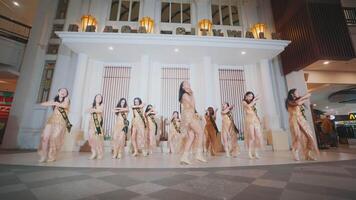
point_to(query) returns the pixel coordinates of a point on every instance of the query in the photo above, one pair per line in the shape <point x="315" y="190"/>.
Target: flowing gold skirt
<point x="52" y="137"/>
<point x="96" y="141"/>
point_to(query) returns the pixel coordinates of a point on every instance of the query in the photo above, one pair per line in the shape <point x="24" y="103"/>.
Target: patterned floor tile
<point x="9" y="180"/>
<point x="18" y="195"/>
<point x="231" y="178"/>
<point x="143" y="197"/>
<point x="326" y="181"/>
<point x="101" y="174"/>
<point x="255" y="192"/>
<point x="321" y="190"/>
<point x="250" y="173"/>
<point x="270" y="183"/>
<point x="73" y="190"/>
<point x="174" y="180"/>
<point x="117" y="194"/>
<point x="12" y="188"/>
<point x="172" y="194"/>
<point x="216" y="188"/>
<point x="46" y="175"/>
<point x="56" y="181"/>
<point x="145" y="188"/>
<point x="324" y="169"/>
<point x="120" y="180"/>
<point x="150" y="175"/>
<point x="197" y="173"/>
<point x="296" y="195"/>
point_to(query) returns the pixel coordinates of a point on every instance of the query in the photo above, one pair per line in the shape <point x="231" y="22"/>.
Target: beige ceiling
<point x="24" y="13"/>
<point x="335" y="66"/>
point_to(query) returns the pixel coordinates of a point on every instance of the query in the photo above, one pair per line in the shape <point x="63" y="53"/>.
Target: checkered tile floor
<point x="330" y="180"/>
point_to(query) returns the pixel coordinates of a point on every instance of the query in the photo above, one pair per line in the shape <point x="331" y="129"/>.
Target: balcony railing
<point x="14" y="30"/>
<point x="350" y="16"/>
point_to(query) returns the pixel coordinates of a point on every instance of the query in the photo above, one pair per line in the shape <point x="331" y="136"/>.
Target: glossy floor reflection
<point x="313" y="180"/>
<point x="164" y="160"/>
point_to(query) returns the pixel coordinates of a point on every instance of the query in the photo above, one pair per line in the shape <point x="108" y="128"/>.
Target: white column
<point x="272" y="125"/>
<point x="203" y="8"/>
<point x="297" y="80"/>
<point x="271" y="118"/>
<point x="144" y="77"/>
<point x="73" y="13"/>
<point x="76" y="105"/>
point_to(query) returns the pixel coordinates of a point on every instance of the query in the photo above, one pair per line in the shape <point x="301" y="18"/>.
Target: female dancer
<point x="211" y="131"/>
<point x="52" y="137"/>
<point x="96" y="134"/>
<point x="152" y="128"/>
<point x="174" y="137"/>
<point x="138" y="138"/>
<point x="190" y="123"/>
<point x="229" y="131"/>
<point x="301" y="133"/>
<point x="252" y="126"/>
<point x="121" y="128"/>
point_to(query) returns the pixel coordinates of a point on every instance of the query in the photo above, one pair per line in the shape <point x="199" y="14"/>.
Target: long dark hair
<point x="181" y="92"/>
<point x="227" y="104"/>
<point x="148" y="108"/>
<point x="56" y="98"/>
<point x="248" y="93"/>
<point x="290" y="97"/>
<point x="211" y="111"/>
<point x="94" y="101"/>
<point x="138" y="99"/>
<point x="119" y="104"/>
<point x="177" y="114"/>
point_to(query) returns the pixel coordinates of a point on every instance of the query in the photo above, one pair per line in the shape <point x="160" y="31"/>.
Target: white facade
<point x="82" y="57"/>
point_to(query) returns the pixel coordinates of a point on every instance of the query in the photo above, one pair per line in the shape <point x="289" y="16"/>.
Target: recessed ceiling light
<point x="243" y="52"/>
<point x="16" y="3"/>
<point x="176" y="50"/>
<point x="326" y="62"/>
<point x="327" y="107"/>
<point x="314" y="105"/>
<point x="111" y="48"/>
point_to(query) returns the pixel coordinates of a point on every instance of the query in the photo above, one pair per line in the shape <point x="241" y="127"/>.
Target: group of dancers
<point x="187" y="134"/>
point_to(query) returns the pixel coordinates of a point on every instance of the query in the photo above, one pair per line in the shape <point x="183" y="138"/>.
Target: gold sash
<point x="141" y="115"/>
<point x="97" y="124"/>
<point x="65" y="117"/>
<point x="126" y="123"/>
<point x="154" y="121"/>
<point x="176" y="126"/>
<point x="232" y="121"/>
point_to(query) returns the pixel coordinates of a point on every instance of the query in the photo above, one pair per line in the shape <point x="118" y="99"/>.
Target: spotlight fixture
<point x="111" y="48"/>
<point x="16" y="3"/>
<point x="326" y="62"/>
<point x="243" y="52"/>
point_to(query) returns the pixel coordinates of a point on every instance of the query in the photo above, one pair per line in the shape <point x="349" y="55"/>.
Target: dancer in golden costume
<point x="229" y="131"/>
<point x="190" y="123"/>
<point x="211" y="131"/>
<point x="252" y="126"/>
<point x="139" y="124"/>
<point x="96" y="133"/>
<point x="52" y="137"/>
<point x="303" y="141"/>
<point x="175" y="134"/>
<point x="152" y="129"/>
<point x="121" y="128"/>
